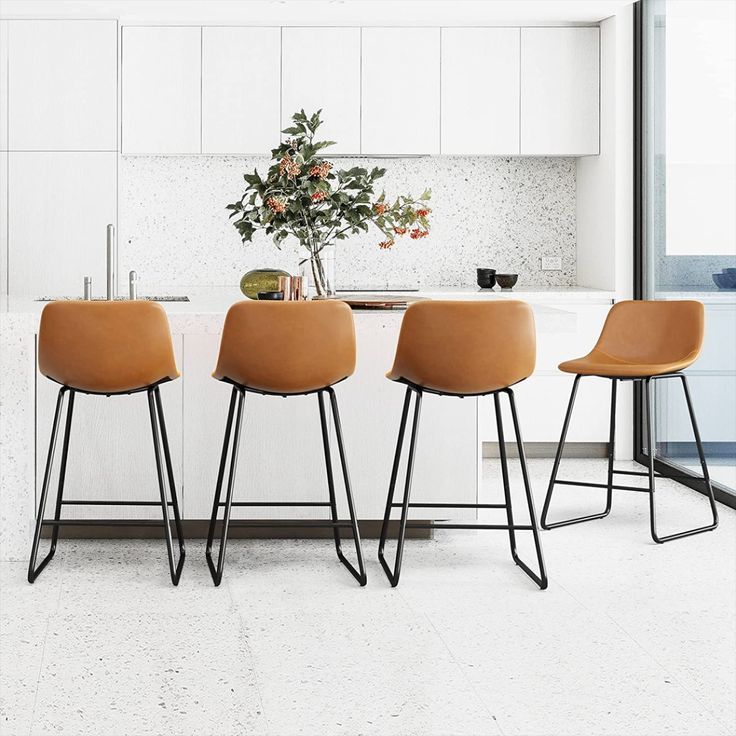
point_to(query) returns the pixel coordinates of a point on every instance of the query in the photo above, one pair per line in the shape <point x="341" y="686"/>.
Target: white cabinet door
<point x="281" y="456"/>
<point x="63" y="85"/>
<point x="3" y="222"/>
<point x="446" y="465"/>
<point x="401" y="91"/>
<point x="59" y="206"/>
<point x="3" y="85"/>
<point x="480" y="91"/>
<point x="559" y="91"/>
<point x="111" y="454"/>
<point x="336" y="90"/>
<point x="240" y="89"/>
<point x="162" y="76"/>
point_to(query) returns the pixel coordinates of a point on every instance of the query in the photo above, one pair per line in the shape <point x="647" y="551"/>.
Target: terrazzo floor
<point x="630" y="637"/>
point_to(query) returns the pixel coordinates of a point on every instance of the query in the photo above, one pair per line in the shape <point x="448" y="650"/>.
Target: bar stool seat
<point x="284" y="349"/>
<point x="106" y="347"/>
<point x="477" y="355"/>
<point x="641" y="341"/>
<point x="458" y="349"/>
<point x="596" y="363"/>
<point x="109" y="348"/>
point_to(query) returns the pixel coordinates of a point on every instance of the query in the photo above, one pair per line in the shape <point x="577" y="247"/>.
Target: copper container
<point x="285" y="287"/>
<point x="297" y="288"/>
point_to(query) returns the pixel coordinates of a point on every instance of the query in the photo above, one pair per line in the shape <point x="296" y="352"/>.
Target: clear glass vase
<point x="318" y="266"/>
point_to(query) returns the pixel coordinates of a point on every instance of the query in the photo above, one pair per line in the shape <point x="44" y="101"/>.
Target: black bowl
<point x="725" y="280"/>
<point x="486" y="277"/>
<point x="271" y="296"/>
<point x="507" y="280"/>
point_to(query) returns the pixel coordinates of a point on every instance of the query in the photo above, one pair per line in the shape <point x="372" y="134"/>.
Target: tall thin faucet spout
<point x="112" y="258"/>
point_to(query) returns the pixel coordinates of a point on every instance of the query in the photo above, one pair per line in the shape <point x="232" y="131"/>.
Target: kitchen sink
<point x="118" y="299"/>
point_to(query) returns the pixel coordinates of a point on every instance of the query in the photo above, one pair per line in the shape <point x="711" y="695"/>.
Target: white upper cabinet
<point x="162" y="77"/>
<point x="559" y="91"/>
<point x="3" y="85"/>
<point x="240" y="89"/>
<point x="62" y="85"/>
<point x="60" y="203"/>
<point x="401" y="91"/>
<point x="480" y="91"/>
<point x="335" y="89"/>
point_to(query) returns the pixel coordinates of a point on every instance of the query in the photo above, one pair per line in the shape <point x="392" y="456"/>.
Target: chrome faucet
<point x="112" y="258"/>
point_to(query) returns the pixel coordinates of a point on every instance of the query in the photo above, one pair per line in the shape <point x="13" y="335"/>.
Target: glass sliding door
<point x="685" y="190"/>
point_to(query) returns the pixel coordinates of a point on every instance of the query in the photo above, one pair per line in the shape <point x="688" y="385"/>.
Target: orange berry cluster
<point x="318" y="196"/>
<point x="423" y="212"/>
<point x="417" y="233"/>
<point x="276" y="205"/>
<point x="288" y="166"/>
<point x="320" y="171"/>
<point x="385" y="244"/>
<point x="400" y="230"/>
<point x="380" y="208"/>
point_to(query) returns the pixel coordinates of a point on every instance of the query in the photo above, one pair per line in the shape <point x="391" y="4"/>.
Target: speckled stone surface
<point x="502" y="213"/>
<point x="17" y="428"/>
<point x="630" y="637"/>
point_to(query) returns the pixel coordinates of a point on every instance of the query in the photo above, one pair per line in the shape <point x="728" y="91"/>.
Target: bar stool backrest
<point x="287" y="347"/>
<point x="653" y="332"/>
<point x="466" y="347"/>
<point x="106" y="347"/>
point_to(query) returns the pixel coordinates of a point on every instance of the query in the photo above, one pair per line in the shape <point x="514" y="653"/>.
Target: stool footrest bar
<point x="443" y="525"/>
<point x="275" y="503"/>
<point x="600" y="485"/>
<point x="102" y="522"/>
<point x="307" y="523"/>
<point x="114" y="503"/>
<point x="451" y="505"/>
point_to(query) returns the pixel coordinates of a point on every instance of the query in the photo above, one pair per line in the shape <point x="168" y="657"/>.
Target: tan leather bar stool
<point x="454" y="348"/>
<point x="285" y="349"/>
<point x="641" y="341"/>
<point x="107" y="348"/>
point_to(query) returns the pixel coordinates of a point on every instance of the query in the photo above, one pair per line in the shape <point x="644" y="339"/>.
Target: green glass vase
<point x="260" y="279"/>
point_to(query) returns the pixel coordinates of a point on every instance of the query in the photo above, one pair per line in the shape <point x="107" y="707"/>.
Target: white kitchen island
<point x="111" y="451"/>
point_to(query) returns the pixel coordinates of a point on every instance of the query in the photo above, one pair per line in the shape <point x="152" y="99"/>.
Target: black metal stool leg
<point x="558" y="457"/>
<point x="156" y="429"/>
<point x="650" y="468"/>
<point x="175" y="573"/>
<point x="541" y="579"/>
<point x="216" y="572"/>
<point x="393" y="575"/>
<point x="505" y="474"/>
<point x="328" y="466"/>
<point x="360" y="574"/>
<point x="33" y="571"/>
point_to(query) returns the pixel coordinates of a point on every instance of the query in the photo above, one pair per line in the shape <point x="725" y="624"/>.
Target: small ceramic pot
<point x="507" y="281"/>
<point x="486" y="277"/>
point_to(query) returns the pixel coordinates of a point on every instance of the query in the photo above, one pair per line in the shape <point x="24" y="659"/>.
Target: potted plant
<point x="303" y="196"/>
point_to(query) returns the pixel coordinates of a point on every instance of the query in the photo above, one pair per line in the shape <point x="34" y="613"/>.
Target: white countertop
<point x="216" y="300"/>
<point x="205" y="312"/>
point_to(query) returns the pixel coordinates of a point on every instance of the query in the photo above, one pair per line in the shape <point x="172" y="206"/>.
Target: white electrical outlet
<point x="551" y="263"/>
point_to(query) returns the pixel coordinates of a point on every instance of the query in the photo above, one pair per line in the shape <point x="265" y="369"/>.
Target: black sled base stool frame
<point x="511" y="526"/>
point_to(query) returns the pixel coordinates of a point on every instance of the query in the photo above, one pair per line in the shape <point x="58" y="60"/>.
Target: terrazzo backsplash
<point x="502" y="213"/>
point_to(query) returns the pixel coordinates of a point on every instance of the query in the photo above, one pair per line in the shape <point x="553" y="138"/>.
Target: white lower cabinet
<point x="542" y="399"/>
<point x="281" y="446"/>
<point x="281" y="454"/>
<point x="110" y="449"/>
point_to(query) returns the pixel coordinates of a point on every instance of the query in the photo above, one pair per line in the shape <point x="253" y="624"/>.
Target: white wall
<point x="604" y="182"/>
<point x="605" y="193"/>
